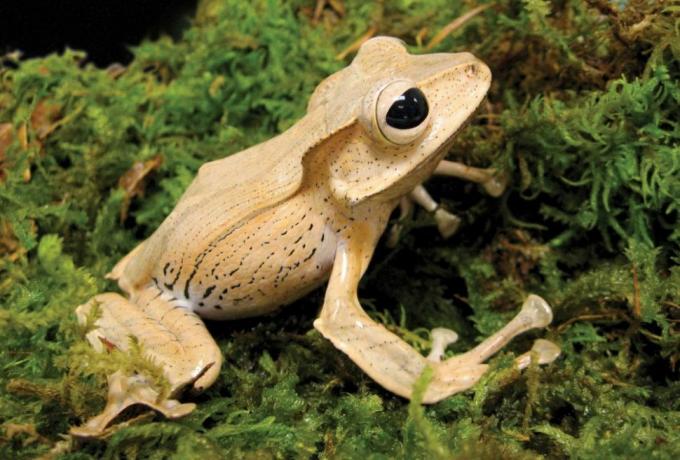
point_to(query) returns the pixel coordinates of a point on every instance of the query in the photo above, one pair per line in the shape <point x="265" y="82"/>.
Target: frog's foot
<point x="493" y="182"/>
<point x="167" y="333"/>
<point x="126" y="391"/>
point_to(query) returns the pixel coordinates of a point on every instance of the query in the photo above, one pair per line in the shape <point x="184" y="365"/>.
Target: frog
<point x="259" y="229"/>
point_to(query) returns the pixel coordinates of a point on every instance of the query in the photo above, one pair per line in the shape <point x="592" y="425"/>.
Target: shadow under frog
<point x="262" y="228"/>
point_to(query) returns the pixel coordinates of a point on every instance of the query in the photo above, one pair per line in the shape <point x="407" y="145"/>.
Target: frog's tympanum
<point x="259" y="229"/>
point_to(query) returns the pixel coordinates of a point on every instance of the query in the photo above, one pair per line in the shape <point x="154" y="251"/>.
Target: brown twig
<point x="455" y="24"/>
<point x="357" y="43"/>
<point x="420" y="36"/>
<point x="318" y="10"/>
<point x="591" y="317"/>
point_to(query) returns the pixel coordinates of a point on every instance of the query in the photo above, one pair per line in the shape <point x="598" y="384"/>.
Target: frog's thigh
<point x="390" y="361"/>
<point x="494" y="183"/>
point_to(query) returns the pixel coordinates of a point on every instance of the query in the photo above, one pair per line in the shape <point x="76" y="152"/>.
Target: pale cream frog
<point x="259" y="229"/>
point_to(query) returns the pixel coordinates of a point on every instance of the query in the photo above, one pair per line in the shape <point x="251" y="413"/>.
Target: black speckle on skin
<point x="171" y="285"/>
<point x="311" y="254"/>
<point x="186" y="285"/>
<point x="209" y="291"/>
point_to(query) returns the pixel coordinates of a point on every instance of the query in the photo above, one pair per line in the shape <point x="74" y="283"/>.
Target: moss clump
<point x="583" y="115"/>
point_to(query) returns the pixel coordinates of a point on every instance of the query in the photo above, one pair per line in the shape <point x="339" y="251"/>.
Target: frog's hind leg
<point x="168" y="334"/>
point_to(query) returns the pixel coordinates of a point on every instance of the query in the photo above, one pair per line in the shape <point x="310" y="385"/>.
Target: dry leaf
<point x="455" y="25"/>
<point x="354" y="46"/>
<point x="45" y="118"/>
<point x="133" y="181"/>
<point x="9" y="245"/>
<point x="6" y="138"/>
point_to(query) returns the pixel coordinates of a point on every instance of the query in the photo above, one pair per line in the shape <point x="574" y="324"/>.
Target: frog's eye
<point x="408" y="110"/>
<point x="397" y="112"/>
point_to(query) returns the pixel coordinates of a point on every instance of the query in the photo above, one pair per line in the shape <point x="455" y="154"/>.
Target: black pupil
<point x="408" y="110"/>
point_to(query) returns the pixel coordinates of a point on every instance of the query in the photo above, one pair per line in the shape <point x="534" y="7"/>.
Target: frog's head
<point x="393" y="116"/>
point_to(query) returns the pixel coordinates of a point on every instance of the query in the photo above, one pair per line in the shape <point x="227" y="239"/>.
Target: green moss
<point x="582" y="115"/>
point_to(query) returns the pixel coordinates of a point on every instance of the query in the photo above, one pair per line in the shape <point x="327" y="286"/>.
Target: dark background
<point x="103" y="28"/>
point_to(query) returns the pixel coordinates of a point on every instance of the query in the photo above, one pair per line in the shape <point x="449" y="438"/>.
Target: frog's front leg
<point x="447" y="223"/>
<point x="389" y="360"/>
<point x="493" y="182"/>
<point x="169" y="334"/>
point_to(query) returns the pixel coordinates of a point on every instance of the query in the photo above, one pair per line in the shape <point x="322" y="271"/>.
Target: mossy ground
<point x="583" y="115"/>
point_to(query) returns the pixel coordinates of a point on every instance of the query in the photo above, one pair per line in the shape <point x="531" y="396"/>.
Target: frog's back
<point x="225" y="194"/>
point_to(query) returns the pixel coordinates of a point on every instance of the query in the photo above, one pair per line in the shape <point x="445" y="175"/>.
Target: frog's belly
<point x="270" y="261"/>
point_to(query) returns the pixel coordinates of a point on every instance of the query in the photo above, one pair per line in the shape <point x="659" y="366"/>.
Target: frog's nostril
<point x="471" y="70"/>
<point x="477" y="71"/>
